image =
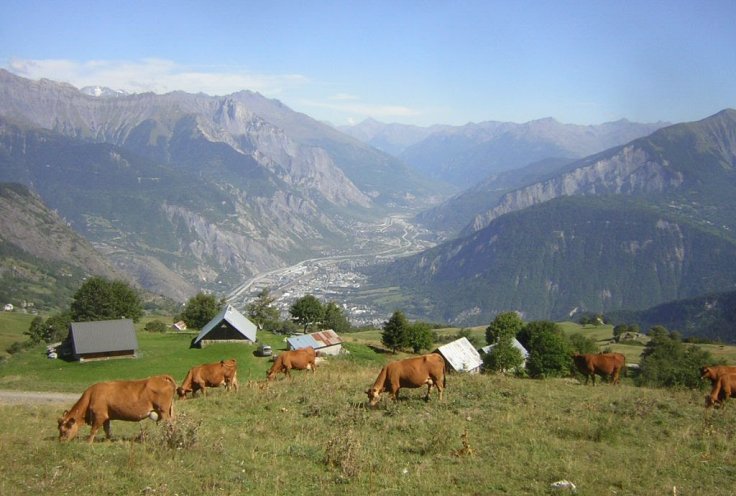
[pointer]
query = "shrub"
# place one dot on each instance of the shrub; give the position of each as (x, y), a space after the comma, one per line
(180, 433)
(155, 326)
(343, 453)
(503, 357)
(549, 350)
(667, 362)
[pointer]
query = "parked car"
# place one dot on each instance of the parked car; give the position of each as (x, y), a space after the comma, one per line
(265, 350)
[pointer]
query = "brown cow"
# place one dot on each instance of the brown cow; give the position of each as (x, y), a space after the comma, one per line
(119, 400)
(411, 373)
(301, 359)
(210, 375)
(603, 364)
(714, 371)
(723, 388)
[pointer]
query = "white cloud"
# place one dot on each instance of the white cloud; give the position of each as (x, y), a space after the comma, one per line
(156, 75)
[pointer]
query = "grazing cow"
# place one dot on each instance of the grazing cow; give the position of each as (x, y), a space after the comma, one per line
(410, 373)
(714, 371)
(210, 375)
(604, 364)
(119, 400)
(723, 388)
(301, 359)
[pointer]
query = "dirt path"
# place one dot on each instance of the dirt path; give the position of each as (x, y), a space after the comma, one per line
(36, 397)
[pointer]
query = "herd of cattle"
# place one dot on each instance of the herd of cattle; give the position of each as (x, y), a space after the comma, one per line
(154, 397)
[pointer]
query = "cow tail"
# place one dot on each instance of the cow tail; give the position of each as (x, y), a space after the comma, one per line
(444, 373)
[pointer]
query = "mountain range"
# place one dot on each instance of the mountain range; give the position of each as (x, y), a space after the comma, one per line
(190, 191)
(632, 227)
(465, 155)
(183, 192)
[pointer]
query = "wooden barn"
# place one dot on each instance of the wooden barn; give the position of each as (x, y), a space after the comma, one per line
(325, 342)
(461, 356)
(103, 339)
(228, 326)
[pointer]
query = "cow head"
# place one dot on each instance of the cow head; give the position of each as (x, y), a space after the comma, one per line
(707, 373)
(374, 395)
(181, 392)
(68, 427)
(271, 374)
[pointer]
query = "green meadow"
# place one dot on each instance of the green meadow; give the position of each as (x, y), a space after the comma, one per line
(492, 434)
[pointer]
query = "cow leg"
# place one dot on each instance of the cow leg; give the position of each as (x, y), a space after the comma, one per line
(95, 426)
(108, 430)
(429, 390)
(617, 376)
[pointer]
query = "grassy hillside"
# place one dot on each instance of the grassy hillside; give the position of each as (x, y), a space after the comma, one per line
(314, 434)
(12, 327)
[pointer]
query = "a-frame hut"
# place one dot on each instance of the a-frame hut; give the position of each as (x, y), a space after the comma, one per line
(228, 326)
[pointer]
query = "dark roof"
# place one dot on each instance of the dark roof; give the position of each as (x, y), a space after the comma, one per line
(103, 336)
(235, 319)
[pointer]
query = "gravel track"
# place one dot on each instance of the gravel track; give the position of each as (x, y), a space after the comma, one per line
(36, 397)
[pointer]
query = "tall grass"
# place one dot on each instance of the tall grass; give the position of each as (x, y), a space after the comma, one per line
(314, 434)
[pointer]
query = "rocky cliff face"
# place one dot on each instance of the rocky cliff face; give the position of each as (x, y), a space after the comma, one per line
(630, 170)
(696, 157)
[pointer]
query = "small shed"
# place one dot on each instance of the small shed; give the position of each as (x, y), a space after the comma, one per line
(461, 356)
(228, 326)
(325, 342)
(179, 326)
(103, 339)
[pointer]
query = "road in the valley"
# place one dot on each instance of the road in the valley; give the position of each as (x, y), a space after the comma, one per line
(404, 243)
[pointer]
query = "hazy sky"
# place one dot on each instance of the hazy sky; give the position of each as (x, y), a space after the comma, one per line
(414, 62)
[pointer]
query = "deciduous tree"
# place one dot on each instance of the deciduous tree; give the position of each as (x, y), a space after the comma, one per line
(335, 318)
(505, 324)
(200, 309)
(101, 299)
(419, 336)
(307, 311)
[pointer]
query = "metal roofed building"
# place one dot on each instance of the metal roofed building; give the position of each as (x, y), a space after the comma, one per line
(103, 339)
(325, 342)
(228, 326)
(461, 356)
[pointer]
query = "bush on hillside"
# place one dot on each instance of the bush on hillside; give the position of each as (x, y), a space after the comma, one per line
(503, 357)
(549, 350)
(155, 326)
(667, 362)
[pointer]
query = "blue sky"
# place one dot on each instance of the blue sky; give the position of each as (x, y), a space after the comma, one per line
(413, 62)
